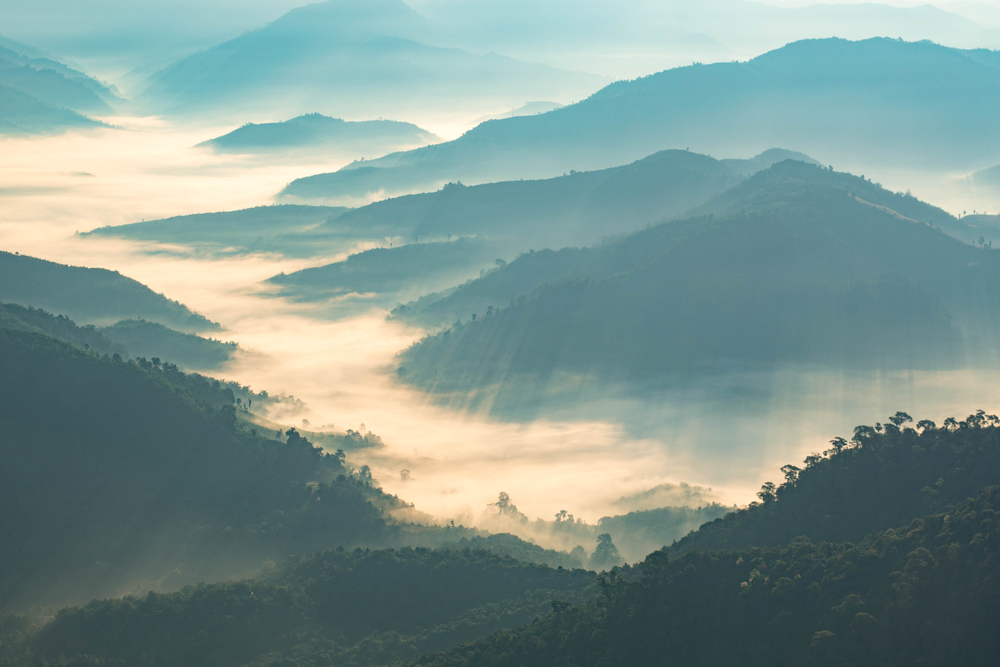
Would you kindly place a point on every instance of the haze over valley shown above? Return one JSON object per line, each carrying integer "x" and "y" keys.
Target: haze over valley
{"x": 450, "y": 331}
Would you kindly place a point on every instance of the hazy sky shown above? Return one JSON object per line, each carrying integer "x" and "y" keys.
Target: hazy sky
{"x": 111, "y": 37}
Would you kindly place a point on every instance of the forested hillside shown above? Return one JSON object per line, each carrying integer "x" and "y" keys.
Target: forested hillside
{"x": 886, "y": 475}
{"x": 351, "y": 56}
{"x": 356, "y": 608}
{"x": 925, "y": 593}
{"x": 791, "y": 271}
{"x": 117, "y": 478}
{"x": 92, "y": 296}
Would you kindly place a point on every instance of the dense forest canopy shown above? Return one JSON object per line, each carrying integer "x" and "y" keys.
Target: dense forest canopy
{"x": 117, "y": 476}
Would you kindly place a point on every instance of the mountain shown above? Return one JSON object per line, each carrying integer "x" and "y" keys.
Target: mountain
{"x": 886, "y": 475}
{"x": 126, "y": 338}
{"x": 534, "y": 269}
{"x": 407, "y": 269}
{"x": 788, "y": 271}
{"x": 359, "y": 58}
{"x": 315, "y": 133}
{"x": 149, "y": 339}
{"x": 252, "y": 229}
{"x": 21, "y": 318}
{"x": 43, "y": 95}
{"x": 528, "y": 109}
{"x": 21, "y": 113}
{"x": 891, "y": 596}
{"x": 922, "y": 591}
{"x": 575, "y": 208}
{"x": 118, "y": 478}
{"x": 93, "y": 296}
{"x": 361, "y": 607}
{"x": 878, "y": 103}
{"x": 577, "y": 205}
{"x": 507, "y": 218}
{"x": 989, "y": 178}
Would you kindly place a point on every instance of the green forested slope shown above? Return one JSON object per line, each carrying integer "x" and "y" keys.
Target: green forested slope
{"x": 336, "y": 608}
{"x": 926, "y": 594}
{"x": 117, "y": 477}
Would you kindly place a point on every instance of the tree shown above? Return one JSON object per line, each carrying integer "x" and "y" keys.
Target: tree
{"x": 606, "y": 554}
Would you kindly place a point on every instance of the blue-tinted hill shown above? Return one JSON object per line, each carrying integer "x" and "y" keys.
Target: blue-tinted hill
{"x": 315, "y": 133}
{"x": 360, "y": 58}
{"x": 874, "y": 102}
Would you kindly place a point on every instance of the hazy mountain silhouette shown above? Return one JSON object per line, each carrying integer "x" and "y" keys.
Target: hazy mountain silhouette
{"x": 410, "y": 269}
{"x": 577, "y": 208}
{"x": 41, "y": 95}
{"x": 315, "y": 133}
{"x": 128, "y": 338}
{"x": 252, "y": 229}
{"x": 793, "y": 270}
{"x": 529, "y": 109}
{"x": 359, "y": 58}
{"x": 92, "y": 296}
{"x": 878, "y": 102}
{"x": 987, "y": 177}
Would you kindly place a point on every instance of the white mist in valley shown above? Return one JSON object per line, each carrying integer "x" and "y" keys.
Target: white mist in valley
{"x": 582, "y": 459}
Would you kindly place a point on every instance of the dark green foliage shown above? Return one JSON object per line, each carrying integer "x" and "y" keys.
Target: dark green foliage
{"x": 637, "y": 534}
{"x": 121, "y": 475}
{"x": 514, "y": 547}
{"x": 926, "y": 594}
{"x": 343, "y": 608}
{"x": 93, "y": 296}
{"x": 150, "y": 339}
{"x": 17, "y": 317}
{"x": 886, "y": 475}
{"x": 390, "y": 270}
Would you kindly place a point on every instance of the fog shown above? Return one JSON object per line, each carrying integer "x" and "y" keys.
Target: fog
{"x": 596, "y": 455}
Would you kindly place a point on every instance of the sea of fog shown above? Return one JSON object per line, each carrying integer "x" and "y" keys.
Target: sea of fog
{"x": 730, "y": 432}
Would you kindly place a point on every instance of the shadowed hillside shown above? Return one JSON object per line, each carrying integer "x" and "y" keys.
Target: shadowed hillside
{"x": 792, "y": 270}
{"x": 93, "y": 296}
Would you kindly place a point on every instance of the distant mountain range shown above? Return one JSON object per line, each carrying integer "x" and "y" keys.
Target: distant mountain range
{"x": 315, "y": 133}
{"x": 577, "y": 208}
{"x": 529, "y": 109}
{"x": 789, "y": 266}
{"x": 878, "y": 102}
{"x": 41, "y": 95}
{"x": 360, "y": 58}
{"x": 91, "y": 296}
